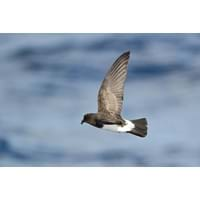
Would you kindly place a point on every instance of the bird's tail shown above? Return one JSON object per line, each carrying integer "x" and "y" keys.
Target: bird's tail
{"x": 140, "y": 128}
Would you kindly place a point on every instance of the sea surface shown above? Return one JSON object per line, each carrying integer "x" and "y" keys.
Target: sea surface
{"x": 48, "y": 81}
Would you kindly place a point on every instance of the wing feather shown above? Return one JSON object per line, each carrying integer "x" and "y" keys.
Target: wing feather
{"x": 110, "y": 97}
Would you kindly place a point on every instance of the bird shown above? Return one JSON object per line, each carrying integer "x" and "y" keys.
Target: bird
{"x": 110, "y": 99}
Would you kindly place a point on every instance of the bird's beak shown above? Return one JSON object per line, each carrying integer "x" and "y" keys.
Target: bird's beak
{"x": 82, "y": 121}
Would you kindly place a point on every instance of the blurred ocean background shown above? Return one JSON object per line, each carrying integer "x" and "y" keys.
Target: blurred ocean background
{"x": 48, "y": 81}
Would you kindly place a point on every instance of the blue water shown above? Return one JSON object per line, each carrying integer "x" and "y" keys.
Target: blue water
{"x": 48, "y": 81}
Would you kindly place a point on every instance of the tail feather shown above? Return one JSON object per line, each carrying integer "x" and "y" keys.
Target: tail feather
{"x": 140, "y": 128}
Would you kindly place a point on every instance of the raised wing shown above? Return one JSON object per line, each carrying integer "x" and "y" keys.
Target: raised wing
{"x": 111, "y": 92}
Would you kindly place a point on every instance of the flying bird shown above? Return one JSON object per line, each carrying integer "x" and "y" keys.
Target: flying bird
{"x": 110, "y": 99}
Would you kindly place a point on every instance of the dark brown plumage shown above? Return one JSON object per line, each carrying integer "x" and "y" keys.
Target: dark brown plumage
{"x": 110, "y": 99}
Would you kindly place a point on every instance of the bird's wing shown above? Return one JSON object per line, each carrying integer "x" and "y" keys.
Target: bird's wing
{"x": 111, "y": 92}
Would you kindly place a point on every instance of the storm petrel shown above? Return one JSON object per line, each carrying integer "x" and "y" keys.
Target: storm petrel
{"x": 110, "y": 98}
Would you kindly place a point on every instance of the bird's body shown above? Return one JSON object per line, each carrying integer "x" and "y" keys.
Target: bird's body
{"x": 110, "y": 99}
{"x": 117, "y": 128}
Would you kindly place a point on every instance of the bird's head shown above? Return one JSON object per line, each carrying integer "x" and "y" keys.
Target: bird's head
{"x": 88, "y": 118}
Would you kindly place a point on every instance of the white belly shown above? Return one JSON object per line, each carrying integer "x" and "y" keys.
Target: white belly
{"x": 116, "y": 128}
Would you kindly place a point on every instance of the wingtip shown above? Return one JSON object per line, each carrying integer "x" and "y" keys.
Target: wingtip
{"x": 123, "y": 56}
{"x": 126, "y": 53}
